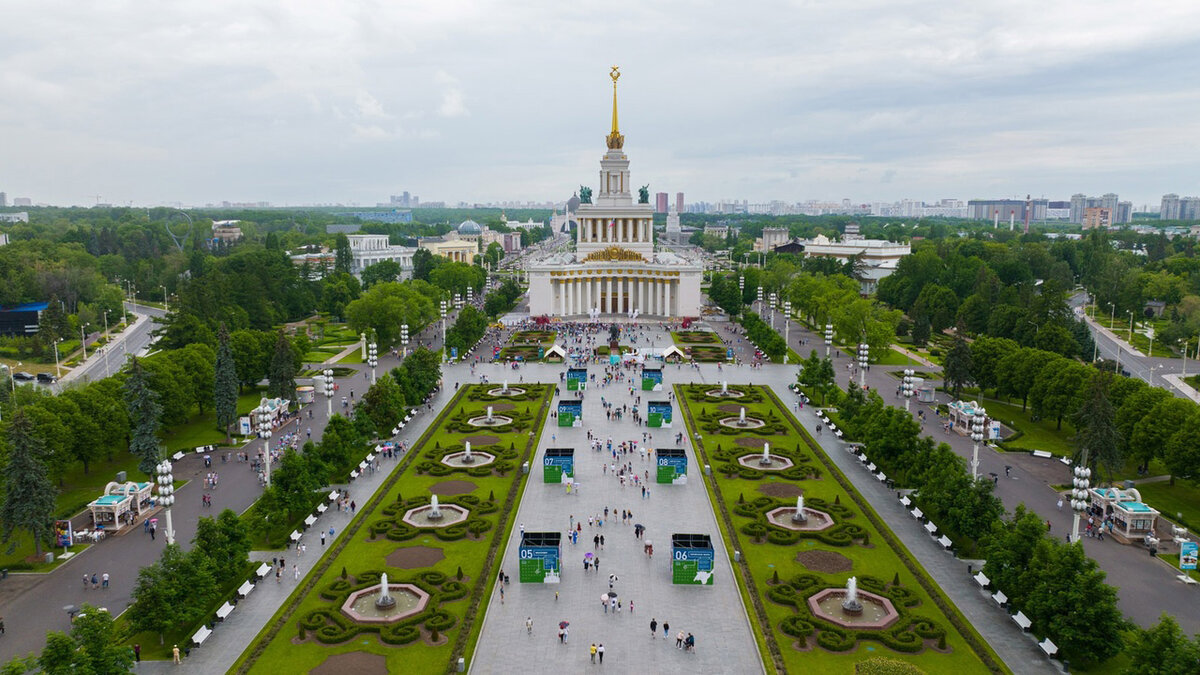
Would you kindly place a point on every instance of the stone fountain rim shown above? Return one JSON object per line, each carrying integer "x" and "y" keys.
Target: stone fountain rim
{"x": 474, "y": 453}
{"x": 422, "y": 602}
{"x": 789, "y": 522}
{"x": 890, "y": 617}
{"x": 445, "y": 522}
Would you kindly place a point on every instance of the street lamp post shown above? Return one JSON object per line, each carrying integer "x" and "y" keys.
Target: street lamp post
{"x": 372, "y": 359}
{"x": 327, "y": 378}
{"x": 83, "y": 343}
{"x": 264, "y": 432}
{"x": 828, "y": 338}
{"x": 458, "y": 301}
{"x": 444, "y": 351}
{"x": 57, "y": 368}
{"x": 741, "y": 287}
{"x": 760, "y": 298}
{"x": 908, "y": 387}
{"x": 864, "y": 356}
{"x": 1079, "y": 494}
{"x": 404, "y": 338}
{"x": 470, "y": 295}
{"x": 107, "y": 340}
{"x": 166, "y": 495}
{"x": 1130, "y": 340}
{"x": 787, "y": 315}
{"x": 773, "y": 300}
{"x": 977, "y": 422}
{"x": 166, "y": 307}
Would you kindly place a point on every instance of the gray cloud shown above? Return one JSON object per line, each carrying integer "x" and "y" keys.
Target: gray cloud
{"x": 318, "y": 102}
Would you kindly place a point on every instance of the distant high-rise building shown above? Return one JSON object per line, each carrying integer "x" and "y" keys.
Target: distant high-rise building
{"x": 403, "y": 200}
{"x": 660, "y": 202}
{"x": 1110, "y": 201}
{"x": 1097, "y": 218}
{"x": 22, "y": 201}
{"x": 3, "y": 199}
{"x": 678, "y": 202}
{"x": 1007, "y": 210}
{"x": 1176, "y": 208}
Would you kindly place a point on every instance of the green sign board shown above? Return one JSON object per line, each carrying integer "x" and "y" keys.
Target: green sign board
{"x": 692, "y": 559}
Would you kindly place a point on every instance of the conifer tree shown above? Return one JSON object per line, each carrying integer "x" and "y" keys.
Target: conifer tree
{"x": 144, "y": 412}
{"x": 225, "y": 391}
{"x": 29, "y": 496}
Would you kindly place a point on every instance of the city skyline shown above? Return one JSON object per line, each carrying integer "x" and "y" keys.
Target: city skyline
{"x": 197, "y": 103}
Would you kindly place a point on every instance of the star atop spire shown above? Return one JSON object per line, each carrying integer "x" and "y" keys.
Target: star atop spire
{"x": 615, "y": 140}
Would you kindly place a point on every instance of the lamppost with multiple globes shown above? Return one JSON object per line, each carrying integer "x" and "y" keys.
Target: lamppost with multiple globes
{"x": 787, "y": 315}
{"x": 908, "y": 387}
{"x": 978, "y": 420}
{"x": 1079, "y": 494}
{"x": 741, "y": 289}
{"x": 828, "y": 339}
{"x": 470, "y": 295}
{"x": 264, "y": 432}
{"x": 443, "y": 312}
{"x": 404, "y": 338}
{"x": 372, "y": 359}
{"x": 773, "y": 299}
{"x": 864, "y": 356}
{"x": 166, "y": 494}
{"x": 327, "y": 378}
{"x": 458, "y": 301}
{"x": 760, "y": 298}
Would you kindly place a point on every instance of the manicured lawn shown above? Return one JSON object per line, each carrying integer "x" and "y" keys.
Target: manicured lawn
{"x": 779, "y": 582}
{"x": 23, "y": 554}
{"x": 890, "y": 358}
{"x": 203, "y": 430}
{"x": 353, "y": 357}
{"x": 695, "y": 337}
{"x": 1181, "y": 498}
{"x": 1040, "y": 435}
{"x": 378, "y": 532}
{"x": 533, "y": 337}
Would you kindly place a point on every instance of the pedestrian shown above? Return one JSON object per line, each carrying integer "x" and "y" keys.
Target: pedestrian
{"x": 1060, "y": 503}
{"x": 602, "y": 542}
{"x": 529, "y": 625}
{"x": 85, "y": 582}
{"x": 666, "y": 630}
{"x": 600, "y": 651}
{"x": 592, "y": 649}
{"x": 352, "y": 506}
{"x": 679, "y": 640}
{"x": 296, "y": 572}
{"x": 322, "y": 538}
{"x": 175, "y": 654}
{"x": 104, "y": 581}
{"x": 137, "y": 652}
{"x": 502, "y": 594}
{"x": 95, "y": 581}
{"x": 630, "y": 607}
{"x": 1007, "y": 471}
{"x": 653, "y": 628}
{"x": 596, "y": 542}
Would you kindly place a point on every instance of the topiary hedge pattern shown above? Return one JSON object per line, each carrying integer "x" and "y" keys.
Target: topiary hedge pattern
{"x": 841, "y": 533}
{"x": 330, "y": 626}
{"x": 393, "y": 528}
{"x": 907, "y": 634}
{"x": 431, "y": 461}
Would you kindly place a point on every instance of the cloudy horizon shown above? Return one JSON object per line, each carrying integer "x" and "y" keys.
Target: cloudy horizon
{"x": 482, "y": 101}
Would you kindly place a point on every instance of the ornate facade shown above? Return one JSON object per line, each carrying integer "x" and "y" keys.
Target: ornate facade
{"x": 615, "y": 269}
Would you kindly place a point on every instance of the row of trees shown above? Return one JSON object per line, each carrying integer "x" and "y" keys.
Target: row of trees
{"x": 762, "y": 335}
{"x": 466, "y": 331}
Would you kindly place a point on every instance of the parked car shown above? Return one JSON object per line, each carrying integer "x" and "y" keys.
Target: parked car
{"x": 47, "y": 378}
{"x": 23, "y": 376}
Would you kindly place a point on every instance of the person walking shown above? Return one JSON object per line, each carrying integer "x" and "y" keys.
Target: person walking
{"x": 600, "y": 651}
{"x": 666, "y": 631}
{"x": 322, "y": 538}
{"x": 592, "y": 649}
{"x": 104, "y": 581}
{"x": 653, "y": 628}
{"x": 175, "y": 655}
{"x": 137, "y": 653}
{"x": 679, "y": 640}
{"x": 529, "y": 625}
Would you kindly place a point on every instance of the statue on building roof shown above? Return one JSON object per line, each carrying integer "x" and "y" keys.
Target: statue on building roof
{"x": 644, "y": 194}
{"x": 585, "y": 194}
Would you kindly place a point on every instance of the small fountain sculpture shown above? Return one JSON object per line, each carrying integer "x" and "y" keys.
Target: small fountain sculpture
{"x": 490, "y": 419}
{"x": 851, "y": 604}
{"x": 504, "y": 389}
{"x": 766, "y": 457}
{"x": 385, "y": 599}
{"x": 742, "y": 417}
{"x": 799, "y": 516}
{"x": 466, "y": 456}
{"x": 724, "y": 387}
{"x": 435, "y": 513}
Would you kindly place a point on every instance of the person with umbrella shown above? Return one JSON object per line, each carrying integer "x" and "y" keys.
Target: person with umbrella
{"x": 562, "y": 631}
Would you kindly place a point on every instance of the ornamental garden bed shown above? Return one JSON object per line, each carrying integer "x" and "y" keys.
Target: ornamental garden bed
{"x": 695, "y": 337}
{"x": 706, "y": 353}
{"x": 928, "y": 631}
{"x": 533, "y": 337}
{"x": 311, "y": 627}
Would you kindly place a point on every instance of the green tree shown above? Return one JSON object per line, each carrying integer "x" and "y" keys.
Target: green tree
{"x": 817, "y": 375}
{"x": 343, "y": 259}
{"x": 340, "y": 443}
{"x": 251, "y": 355}
{"x": 28, "y": 500}
{"x": 1134, "y": 408}
{"x": 986, "y": 353}
{"x": 1058, "y": 389}
{"x": 1096, "y": 427}
{"x": 939, "y": 304}
{"x": 386, "y": 306}
{"x": 283, "y": 370}
{"x": 467, "y": 330}
{"x": 1154, "y": 431}
{"x": 384, "y": 270}
{"x": 1017, "y": 372}
{"x": 1162, "y": 649}
{"x": 141, "y": 404}
{"x": 225, "y": 384}
{"x": 493, "y": 254}
{"x": 424, "y": 262}
{"x": 1182, "y": 454}
{"x": 956, "y": 370}
{"x": 418, "y": 375}
{"x": 296, "y": 484}
{"x": 225, "y": 542}
{"x": 94, "y": 646}
{"x": 724, "y": 292}
{"x": 1070, "y": 603}
{"x": 1009, "y": 551}
{"x": 383, "y": 405}
{"x": 172, "y": 593}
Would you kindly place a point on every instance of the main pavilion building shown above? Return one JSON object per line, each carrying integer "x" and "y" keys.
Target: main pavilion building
{"x": 615, "y": 268}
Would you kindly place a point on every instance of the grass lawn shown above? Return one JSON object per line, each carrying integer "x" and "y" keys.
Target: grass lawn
{"x": 890, "y": 358}
{"x": 1040, "y": 435}
{"x": 22, "y": 557}
{"x": 533, "y": 337}
{"x": 1178, "y": 501}
{"x": 353, "y": 357}
{"x": 695, "y": 337}
{"x": 777, "y": 583}
{"x": 203, "y": 430}
{"x": 377, "y": 533}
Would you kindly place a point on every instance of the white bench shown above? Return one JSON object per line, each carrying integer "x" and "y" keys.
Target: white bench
{"x": 1049, "y": 647}
{"x": 201, "y": 635}
{"x": 881, "y": 477}
{"x": 1000, "y": 598}
{"x": 982, "y": 580}
{"x": 930, "y": 527}
{"x": 871, "y": 467}
{"x": 1022, "y": 620}
{"x": 838, "y": 433}
{"x": 262, "y": 570}
{"x": 1041, "y": 453}
{"x": 1065, "y": 460}
{"x": 916, "y": 513}
{"x": 945, "y": 542}
{"x": 905, "y": 501}
{"x": 333, "y": 496}
{"x": 1187, "y": 579}
{"x": 245, "y": 589}
{"x": 308, "y": 522}
{"x": 295, "y": 535}
{"x": 354, "y": 474}
{"x": 224, "y": 611}
{"x": 177, "y": 456}
{"x": 321, "y": 508}
{"x": 362, "y": 465}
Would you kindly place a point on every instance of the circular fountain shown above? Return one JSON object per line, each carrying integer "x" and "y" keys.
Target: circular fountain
{"x": 724, "y": 392}
{"x": 766, "y": 461}
{"x": 385, "y": 603}
{"x": 490, "y": 419}
{"x": 435, "y": 515}
{"x": 468, "y": 458}
{"x": 505, "y": 390}
{"x": 801, "y": 518}
{"x": 851, "y": 608}
{"x": 741, "y": 421}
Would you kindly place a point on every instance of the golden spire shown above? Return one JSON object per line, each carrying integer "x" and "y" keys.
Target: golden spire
{"x": 615, "y": 139}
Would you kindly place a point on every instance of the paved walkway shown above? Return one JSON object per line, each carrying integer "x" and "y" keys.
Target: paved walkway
{"x": 714, "y": 614}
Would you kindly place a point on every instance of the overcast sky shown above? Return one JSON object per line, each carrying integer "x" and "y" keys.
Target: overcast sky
{"x": 350, "y": 101}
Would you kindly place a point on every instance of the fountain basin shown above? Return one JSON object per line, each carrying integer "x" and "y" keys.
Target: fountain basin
{"x": 501, "y": 391}
{"x": 814, "y": 521}
{"x": 778, "y": 463}
{"x": 877, "y": 611}
{"x": 493, "y": 421}
{"x": 741, "y": 423}
{"x": 451, "y": 514}
{"x": 728, "y": 393}
{"x": 478, "y": 458}
{"x": 407, "y": 600}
